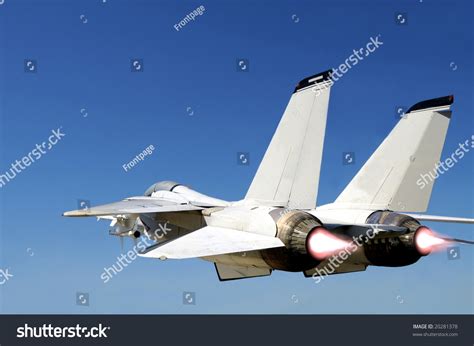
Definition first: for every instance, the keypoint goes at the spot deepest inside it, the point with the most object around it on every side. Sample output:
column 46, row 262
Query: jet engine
column 293, row 228
column 392, row 249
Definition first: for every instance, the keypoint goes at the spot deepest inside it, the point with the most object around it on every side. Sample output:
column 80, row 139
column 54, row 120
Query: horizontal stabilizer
column 435, row 218
column 325, row 268
column 211, row 241
column 457, row 240
column 133, row 205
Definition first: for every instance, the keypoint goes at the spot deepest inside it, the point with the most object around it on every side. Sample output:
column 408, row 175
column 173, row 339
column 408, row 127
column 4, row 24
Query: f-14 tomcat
column 277, row 226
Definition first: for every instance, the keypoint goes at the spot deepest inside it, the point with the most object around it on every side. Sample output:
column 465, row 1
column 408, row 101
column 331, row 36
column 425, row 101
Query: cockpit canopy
column 165, row 185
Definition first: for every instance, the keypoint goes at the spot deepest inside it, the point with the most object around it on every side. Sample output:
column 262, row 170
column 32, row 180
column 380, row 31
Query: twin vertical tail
column 393, row 178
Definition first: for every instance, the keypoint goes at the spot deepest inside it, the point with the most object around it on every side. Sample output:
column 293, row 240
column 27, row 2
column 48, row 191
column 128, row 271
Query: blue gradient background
column 88, row 66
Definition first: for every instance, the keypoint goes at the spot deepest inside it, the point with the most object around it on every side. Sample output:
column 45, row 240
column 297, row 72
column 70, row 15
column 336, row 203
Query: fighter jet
column 279, row 226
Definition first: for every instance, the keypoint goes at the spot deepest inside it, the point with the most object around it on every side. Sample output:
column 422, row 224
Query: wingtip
column 74, row 213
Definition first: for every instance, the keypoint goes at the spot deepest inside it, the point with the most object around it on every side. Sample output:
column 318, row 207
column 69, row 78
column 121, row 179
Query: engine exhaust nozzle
column 322, row 244
column 426, row 240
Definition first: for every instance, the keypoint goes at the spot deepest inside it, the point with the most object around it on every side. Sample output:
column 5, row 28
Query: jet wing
column 211, row 241
column 134, row 205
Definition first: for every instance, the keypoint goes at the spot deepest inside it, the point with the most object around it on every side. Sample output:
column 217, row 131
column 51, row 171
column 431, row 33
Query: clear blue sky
column 87, row 66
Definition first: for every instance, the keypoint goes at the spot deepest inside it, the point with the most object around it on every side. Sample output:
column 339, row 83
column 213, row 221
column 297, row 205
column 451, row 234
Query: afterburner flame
column 426, row 240
column 322, row 244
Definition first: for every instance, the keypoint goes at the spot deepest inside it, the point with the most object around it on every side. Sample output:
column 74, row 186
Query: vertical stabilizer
column 289, row 172
column 392, row 178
